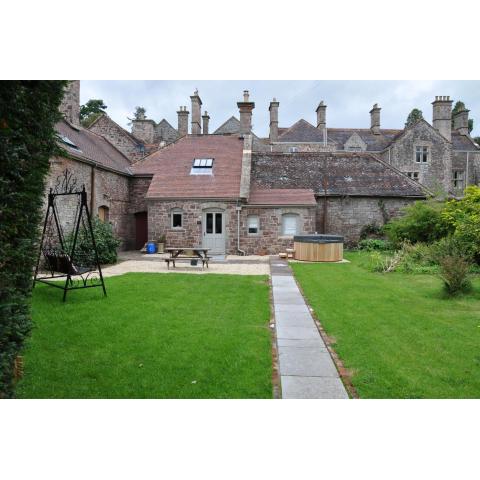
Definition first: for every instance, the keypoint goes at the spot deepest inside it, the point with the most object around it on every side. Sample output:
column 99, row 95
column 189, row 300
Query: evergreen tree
column 413, row 117
column 28, row 114
column 91, row 111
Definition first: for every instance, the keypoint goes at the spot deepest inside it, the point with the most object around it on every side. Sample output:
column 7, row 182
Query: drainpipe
column 239, row 209
column 466, row 173
column 92, row 193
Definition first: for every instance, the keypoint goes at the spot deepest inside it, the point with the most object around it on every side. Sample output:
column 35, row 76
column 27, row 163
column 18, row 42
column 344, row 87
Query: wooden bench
column 187, row 258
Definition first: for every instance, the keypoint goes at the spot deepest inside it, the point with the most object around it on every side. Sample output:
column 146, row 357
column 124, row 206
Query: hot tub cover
column 318, row 238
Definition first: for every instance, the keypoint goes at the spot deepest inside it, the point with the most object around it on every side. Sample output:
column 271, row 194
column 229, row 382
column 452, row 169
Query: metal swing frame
column 61, row 264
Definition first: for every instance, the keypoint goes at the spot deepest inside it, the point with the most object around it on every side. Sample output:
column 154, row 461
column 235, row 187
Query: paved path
column 306, row 368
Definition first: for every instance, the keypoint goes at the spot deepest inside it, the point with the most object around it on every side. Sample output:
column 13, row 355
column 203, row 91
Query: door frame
column 223, row 234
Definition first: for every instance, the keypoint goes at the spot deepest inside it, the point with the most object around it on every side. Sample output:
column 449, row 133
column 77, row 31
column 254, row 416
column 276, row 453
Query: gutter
column 239, row 209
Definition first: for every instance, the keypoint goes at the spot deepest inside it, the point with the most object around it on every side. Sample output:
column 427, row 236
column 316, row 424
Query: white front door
column 214, row 232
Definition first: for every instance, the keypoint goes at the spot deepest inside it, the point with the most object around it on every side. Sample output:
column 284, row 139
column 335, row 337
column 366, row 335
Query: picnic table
column 192, row 254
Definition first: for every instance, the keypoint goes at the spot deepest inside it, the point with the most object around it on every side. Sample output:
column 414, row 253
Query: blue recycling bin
column 151, row 247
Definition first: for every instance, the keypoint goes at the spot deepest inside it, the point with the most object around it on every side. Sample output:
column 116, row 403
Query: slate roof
column 230, row 127
column 92, row 147
column 171, row 168
column 375, row 143
column 303, row 131
column 281, row 196
column 347, row 173
column 462, row 142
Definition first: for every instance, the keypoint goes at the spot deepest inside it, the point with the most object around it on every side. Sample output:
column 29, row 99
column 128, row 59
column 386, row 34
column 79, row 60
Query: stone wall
column 348, row 215
column 108, row 129
column 159, row 222
column 269, row 240
column 472, row 173
column 111, row 191
column 138, row 191
column 436, row 174
column 70, row 106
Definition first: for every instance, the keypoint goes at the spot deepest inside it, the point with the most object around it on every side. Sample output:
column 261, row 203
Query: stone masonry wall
column 111, row 190
column 459, row 162
column 105, row 127
column 437, row 172
column 348, row 215
column 159, row 222
column 269, row 240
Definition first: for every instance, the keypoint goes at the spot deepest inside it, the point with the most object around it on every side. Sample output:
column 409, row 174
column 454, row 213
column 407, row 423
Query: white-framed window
column 253, row 224
column 422, row 154
column 202, row 166
column 412, row 175
column 458, row 179
column 289, row 224
column 177, row 218
column 293, row 149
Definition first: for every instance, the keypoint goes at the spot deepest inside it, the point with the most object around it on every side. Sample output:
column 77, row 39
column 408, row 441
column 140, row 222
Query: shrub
column 454, row 271
column 422, row 222
column 371, row 244
column 28, row 113
column 371, row 230
column 463, row 217
column 105, row 239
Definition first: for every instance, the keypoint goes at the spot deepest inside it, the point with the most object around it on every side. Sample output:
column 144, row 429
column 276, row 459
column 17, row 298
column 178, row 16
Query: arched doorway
column 141, row 229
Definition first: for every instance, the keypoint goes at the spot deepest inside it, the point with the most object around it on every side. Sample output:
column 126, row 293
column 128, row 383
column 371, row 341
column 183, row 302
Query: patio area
column 134, row 261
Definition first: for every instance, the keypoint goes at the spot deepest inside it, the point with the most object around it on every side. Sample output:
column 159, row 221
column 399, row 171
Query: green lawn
column 398, row 333
column 154, row 336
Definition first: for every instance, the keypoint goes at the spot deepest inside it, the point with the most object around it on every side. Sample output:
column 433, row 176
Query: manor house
column 237, row 193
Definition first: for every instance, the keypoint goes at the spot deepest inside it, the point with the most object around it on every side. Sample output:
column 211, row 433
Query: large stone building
column 235, row 192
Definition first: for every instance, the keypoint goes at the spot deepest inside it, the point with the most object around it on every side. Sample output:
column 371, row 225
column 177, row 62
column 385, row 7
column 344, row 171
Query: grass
column 398, row 333
column 154, row 336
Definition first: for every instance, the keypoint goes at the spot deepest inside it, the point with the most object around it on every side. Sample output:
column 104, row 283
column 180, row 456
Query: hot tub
column 318, row 248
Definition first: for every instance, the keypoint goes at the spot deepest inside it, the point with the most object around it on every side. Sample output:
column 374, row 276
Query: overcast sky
column 348, row 101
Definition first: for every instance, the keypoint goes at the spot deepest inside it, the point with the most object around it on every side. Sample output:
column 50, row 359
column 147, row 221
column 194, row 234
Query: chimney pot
column 246, row 107
column 375, row 119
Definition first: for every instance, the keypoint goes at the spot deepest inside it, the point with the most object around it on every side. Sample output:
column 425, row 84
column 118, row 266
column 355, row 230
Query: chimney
column 205, row 120
column 460, row 122
column 321, row 116
column 143, row 129
column 442, row 116
column 183, row 121
column 375, row 119
column 196, row 113
column 70, row 106
column 246, row 107
column 273, row 109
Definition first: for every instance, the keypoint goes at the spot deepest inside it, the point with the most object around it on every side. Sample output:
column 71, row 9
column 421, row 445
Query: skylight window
column 202, row 166
column 68, row 142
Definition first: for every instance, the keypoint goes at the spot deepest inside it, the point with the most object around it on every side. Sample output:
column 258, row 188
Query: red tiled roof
column 281, row 196
column 171, row 168
column 92, row 147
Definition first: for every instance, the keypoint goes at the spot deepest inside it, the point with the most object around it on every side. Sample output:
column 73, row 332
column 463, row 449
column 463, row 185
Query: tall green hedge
column 28, row 113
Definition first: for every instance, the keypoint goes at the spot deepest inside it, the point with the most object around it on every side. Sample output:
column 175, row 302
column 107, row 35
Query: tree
column 28, row 114
column 460, row 107
column 91, row 111
column 413, row 117
column 138, row 114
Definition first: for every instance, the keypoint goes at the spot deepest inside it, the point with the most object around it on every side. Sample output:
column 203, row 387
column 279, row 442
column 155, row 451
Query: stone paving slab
column 312, row 387
column 306, row 362
column 298, row 333
column 302, row 343
column 305, row 365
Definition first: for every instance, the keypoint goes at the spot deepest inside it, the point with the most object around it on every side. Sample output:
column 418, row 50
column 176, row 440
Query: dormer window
column 202, row 166
column 68, row 142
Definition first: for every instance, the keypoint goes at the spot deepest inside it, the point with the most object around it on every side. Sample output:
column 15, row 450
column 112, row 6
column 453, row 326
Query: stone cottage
column 237, row 193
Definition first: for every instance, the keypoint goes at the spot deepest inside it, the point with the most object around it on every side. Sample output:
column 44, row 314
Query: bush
column 371, row 244
column 28, row 113
column 454, row 271
column 455, row 263
column 371, row 230
column 105, row 239
column 463, row 217
column 422, row 222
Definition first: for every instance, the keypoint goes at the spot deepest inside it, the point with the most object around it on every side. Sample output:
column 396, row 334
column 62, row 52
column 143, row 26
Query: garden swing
column 70, row 254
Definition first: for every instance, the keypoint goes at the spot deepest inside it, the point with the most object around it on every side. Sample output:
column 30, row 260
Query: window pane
column 289, row 224
column 209, row 226
column 177, row 220
column 218, row 223
column 253, row 223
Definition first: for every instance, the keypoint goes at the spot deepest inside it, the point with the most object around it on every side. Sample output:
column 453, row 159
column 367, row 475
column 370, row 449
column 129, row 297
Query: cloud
column 348, row 101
